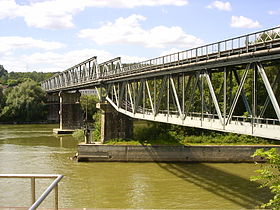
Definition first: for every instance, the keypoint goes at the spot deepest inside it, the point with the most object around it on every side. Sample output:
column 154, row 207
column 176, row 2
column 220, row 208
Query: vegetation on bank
column 153, row 133
column 269, row 175
column 164, row 134
column 21, row 97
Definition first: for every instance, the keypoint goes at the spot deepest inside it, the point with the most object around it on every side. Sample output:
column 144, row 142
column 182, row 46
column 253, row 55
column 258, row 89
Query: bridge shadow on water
column 231, row 187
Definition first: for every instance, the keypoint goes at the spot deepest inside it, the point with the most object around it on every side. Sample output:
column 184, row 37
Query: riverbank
column 28, row 123
column 167, row 153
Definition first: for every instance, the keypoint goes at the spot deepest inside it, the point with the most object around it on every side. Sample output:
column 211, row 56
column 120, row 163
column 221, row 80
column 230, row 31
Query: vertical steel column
column 126, row 97
column 144, row 96
column 202, row 98
column 225, row 97
column 168, row 89
column 155, row 105
column 254, row 97
column 183, row 97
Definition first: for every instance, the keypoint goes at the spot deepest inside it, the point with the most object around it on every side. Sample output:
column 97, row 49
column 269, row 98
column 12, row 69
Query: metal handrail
column 53, row 185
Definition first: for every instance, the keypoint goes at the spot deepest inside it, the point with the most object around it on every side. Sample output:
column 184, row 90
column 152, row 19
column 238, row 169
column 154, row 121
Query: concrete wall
column 114, row 124
column 91, row 152
column 71, row 115
column 53, row 108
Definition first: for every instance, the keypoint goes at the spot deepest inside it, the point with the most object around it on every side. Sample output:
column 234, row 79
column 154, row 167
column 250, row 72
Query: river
column 34, row 149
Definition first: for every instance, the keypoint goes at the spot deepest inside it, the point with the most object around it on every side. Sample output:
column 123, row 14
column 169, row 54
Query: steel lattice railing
column 89, row 71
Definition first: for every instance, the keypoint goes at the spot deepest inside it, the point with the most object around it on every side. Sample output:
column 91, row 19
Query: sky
column 53, row 35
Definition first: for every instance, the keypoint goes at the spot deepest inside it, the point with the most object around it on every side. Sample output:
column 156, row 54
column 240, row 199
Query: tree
column 270, row 175
column 24, row 102
column 3, row 75
column 88, row 104
column 2, row 99
column 3, row 71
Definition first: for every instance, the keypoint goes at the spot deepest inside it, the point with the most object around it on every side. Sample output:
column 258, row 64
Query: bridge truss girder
column 214, row 98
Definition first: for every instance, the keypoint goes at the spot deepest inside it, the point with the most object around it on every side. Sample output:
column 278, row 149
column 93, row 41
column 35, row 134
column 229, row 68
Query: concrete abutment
column 114, row 124
column 70, row 112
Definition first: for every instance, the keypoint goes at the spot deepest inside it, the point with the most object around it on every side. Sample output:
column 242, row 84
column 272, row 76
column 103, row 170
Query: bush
column 79, row 134
column 270, row 175
column 96, row 134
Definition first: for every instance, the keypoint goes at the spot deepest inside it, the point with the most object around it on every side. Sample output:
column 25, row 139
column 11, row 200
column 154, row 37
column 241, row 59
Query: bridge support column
column 53, row 108
column 70, row 112
column 113, row 123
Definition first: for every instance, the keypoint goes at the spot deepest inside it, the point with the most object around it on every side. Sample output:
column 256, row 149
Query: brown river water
column 33, row 149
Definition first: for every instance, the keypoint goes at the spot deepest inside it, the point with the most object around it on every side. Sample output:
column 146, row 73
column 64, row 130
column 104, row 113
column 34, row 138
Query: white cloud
column 137, row 3
column 129, row 31
column 63, row 61
column 244, row 22
column 131, row 59
column 170, row 51
column 57, row 14
column 9, row 8
column 53, row 62
column 11, row 43
column 274, row 12
column 220, row 5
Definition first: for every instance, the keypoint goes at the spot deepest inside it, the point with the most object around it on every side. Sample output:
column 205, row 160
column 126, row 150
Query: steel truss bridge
column 231, row 85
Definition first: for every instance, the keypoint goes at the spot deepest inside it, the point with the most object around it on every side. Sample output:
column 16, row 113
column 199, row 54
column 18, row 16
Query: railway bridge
column 232, row 86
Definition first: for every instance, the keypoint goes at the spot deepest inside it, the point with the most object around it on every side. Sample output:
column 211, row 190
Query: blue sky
column 53, row 35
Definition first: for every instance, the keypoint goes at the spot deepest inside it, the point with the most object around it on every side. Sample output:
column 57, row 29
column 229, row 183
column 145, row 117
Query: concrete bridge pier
column 70, row 112
column 53, row 108
column 113, row 123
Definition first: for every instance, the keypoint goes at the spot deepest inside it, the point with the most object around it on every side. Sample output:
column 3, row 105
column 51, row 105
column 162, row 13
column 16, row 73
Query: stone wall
column 71, row 115
column 127, row 153
column 114, row 124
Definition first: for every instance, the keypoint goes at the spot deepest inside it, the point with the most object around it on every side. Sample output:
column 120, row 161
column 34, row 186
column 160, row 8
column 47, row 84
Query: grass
column 151, row 133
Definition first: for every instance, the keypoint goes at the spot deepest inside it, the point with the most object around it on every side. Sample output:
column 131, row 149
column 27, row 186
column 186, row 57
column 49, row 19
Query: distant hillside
column 11, row 79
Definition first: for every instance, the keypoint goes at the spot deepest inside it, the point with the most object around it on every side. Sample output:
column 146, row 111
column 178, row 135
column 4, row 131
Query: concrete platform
column 63, row 131
column 140, row 153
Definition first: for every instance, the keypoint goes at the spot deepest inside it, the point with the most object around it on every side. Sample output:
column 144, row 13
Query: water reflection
column 34, row 149
column 223, row 183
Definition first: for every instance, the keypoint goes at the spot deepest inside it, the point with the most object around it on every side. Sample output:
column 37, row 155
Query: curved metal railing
column 33, row 177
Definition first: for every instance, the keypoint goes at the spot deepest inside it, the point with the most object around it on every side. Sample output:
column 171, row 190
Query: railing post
column 247, row 43
column 33, row 190
column 56, row 197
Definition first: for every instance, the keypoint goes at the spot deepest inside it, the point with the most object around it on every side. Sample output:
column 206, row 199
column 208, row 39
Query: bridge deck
column 163, row 89
column 251, row 46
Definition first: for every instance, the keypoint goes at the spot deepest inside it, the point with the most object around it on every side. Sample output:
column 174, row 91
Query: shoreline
column 27, row 123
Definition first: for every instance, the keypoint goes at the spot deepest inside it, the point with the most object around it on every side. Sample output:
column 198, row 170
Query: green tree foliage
column 3, row 75
column 269, row 174
column 2, row 99
column 88, row 104
column 14, row 78
column 36, row 76
column 24, row 103
column 96, row 134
